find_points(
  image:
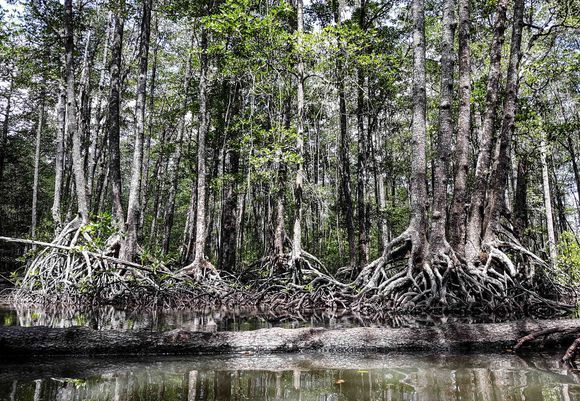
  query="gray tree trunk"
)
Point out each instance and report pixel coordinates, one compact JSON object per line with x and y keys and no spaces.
{"x":59,"y":158}
{"x":458,"y":213}
{"x":200,"y":230}
{"x":418,"y":225}
{"x":298,"y":190}
{"x":475,"y":223}
{"x":548,"y":203}
{"x":443,"y":146}
{"x":344,"y":195}
{"x":4,"y":131}
{"x":39,"y":129}
{"x":363,"y":158}
{"x":228,"y":226}
{"x":521,"y":198}
{"x":114,"y":114}
{"x":133,"y":208}
{"x":499,"y":179}
{"x":71,"y":110}
{"x":96,"y":120}
{"x":576,"y":170}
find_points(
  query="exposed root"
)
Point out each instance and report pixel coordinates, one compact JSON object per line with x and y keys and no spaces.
{"x":410,"y":276}
{"x":439,"y":278}
{"x":76,"y":269}
{"x":200,"y":271}
{"x":569,"y":357}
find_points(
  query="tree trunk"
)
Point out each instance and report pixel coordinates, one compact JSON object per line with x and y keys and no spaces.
{"x":175,"y":175}
{"x":96,"y":121}
{"x":4,"y":132}
{"x":439,"y":223}
{"x":156,"y":189}
{"x":114,"y":113}
{"x":279,"y":224}
{"x":145,"y":195}
{"x":418,"y":194}
{"x":39,"y":130}
{"x":475,"y":223}
{"x":499,"y":178}
{"x":548,"y":203}
{"x":344,"y":195}
{"x":298,"y":191}
{"x":84,"y":113}
{"x":71,"y":111}
{"x":363,"y":158}
{"x":576,"y":170}
{"x":133,"y":208}
{"x":558,"y":199}
{"x":228,"y":229}
{"x":200,"y":230}
{"x":173,"y":186}
{"x":458,"y":214}
{"x":59,"y":159}
{"x":521,"y":199}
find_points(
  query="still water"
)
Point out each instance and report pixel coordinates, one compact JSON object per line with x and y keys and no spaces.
{"x":110,"y":318}
{"x":316,"y":377}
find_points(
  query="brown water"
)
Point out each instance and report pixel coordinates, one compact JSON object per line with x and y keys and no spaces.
{"x":316,"y":377}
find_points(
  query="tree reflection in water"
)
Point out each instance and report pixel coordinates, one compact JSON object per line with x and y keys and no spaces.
{"x":240,"y":319}
{"x":305,"y":378}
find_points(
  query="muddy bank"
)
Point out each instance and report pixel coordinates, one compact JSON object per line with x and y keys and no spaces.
{"x":487,"y":337}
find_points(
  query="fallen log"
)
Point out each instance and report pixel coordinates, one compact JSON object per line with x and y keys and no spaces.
{"x":19,"y":341}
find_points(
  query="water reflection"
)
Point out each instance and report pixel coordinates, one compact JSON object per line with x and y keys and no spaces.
{"x":294,"y":377}
{"x":110,"y":318}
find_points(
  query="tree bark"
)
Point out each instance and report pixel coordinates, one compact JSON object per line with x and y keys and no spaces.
{"x":59,"y":159}
{"x":71,"y":111}
{"x":576,"y":170}
{"x":173,"y":184}
{"x":39,"y":129}
{"x":145,"y":194}
{"x":298,"y":184}
{"x":458,"y":214}
{"x":475,"y":223}
{"x":228,"y":229}
{"x":200,"y":230}
{"x":438,"y":226}
{"x":133,"y":208}
{"x":344,"y":195}
{"x":521,"y":199}
{"x":84,"y":112}
{"x":96,"y":121}
{"x":499,"y":178}
{"x":4,"y":132}
{"x":548,"y":203}
{"x":175,"y":175}
{"x":363,"y":158}
{"x":486,"y":337}
{"x":418,"y":224}
{"x":114,"y":114}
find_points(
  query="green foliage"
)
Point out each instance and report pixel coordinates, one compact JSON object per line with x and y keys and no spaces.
{"x":569,"y":257}
{"x":100,"y":229}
